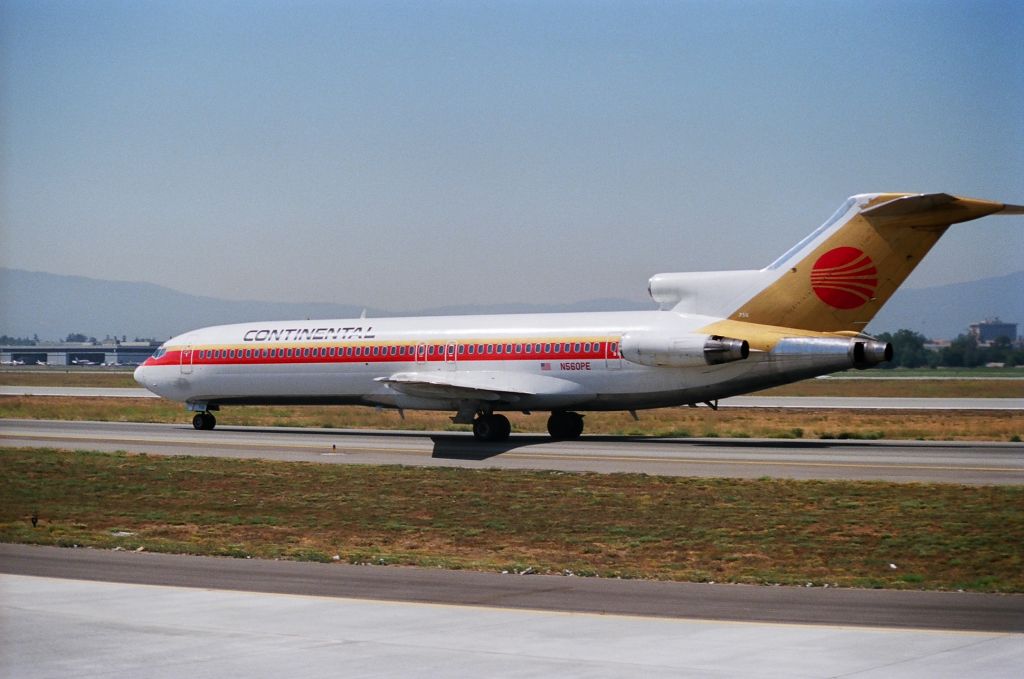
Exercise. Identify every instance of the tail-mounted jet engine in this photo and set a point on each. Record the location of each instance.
(681, 351)
(830, 354)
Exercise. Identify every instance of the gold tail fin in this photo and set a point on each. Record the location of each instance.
(838, 278)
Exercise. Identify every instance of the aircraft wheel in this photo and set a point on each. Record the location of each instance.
(491, 428)
(565, 425)
(504, 427)
(204, 421)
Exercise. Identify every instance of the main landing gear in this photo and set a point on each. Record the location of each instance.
(564, 425)
(204, 421)
(491, 427)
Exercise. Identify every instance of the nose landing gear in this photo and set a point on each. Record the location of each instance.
(204, 421)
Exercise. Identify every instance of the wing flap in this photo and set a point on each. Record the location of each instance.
(481, 386)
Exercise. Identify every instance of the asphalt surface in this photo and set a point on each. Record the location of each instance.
(51, 628)
(831, 402)
(900, 461)
(878, 608)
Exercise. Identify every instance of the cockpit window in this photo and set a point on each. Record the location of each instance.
(159, 353)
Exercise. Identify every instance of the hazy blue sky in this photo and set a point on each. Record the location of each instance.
(414, 154)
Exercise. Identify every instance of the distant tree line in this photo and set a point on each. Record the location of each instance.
(963, 352)
(19, 341)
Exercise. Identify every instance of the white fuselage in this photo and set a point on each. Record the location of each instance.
(511, 362)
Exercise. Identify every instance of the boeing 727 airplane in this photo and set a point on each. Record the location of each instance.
(716, 334)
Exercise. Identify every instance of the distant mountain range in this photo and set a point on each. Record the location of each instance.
(53, 306)
(945, 311)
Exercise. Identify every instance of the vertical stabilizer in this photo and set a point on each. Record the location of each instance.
(837, 279)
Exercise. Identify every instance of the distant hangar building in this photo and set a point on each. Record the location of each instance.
(992, 329)
(74, 353)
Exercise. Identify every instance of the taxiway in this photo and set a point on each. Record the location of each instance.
(901, 461)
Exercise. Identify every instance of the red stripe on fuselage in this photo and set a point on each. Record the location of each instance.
(385, 353)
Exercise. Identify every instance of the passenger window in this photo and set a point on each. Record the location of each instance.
(519, 348)
(576, 348)
(547, 348)
(586, 347)
(498, 349)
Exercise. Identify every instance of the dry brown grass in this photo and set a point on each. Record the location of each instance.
(968, 425)
(629, 525)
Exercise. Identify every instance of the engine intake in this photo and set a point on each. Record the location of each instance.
(685, 351)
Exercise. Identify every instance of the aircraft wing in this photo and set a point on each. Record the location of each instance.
(481, 386)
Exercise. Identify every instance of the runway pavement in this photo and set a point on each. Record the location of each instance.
(59, 628)
(94, 613)
(748, 603)
(904, 461)
(840, 402)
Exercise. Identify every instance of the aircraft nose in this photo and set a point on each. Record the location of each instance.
(139, 375)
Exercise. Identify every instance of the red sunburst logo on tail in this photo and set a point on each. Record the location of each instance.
(844, 278)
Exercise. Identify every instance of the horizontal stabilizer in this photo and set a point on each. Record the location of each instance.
(934, 209)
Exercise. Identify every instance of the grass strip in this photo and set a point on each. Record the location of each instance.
(964, 425)
(855, 534)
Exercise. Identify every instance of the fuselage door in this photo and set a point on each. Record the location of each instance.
(612, 356)
(185, 359)
(450, 355)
